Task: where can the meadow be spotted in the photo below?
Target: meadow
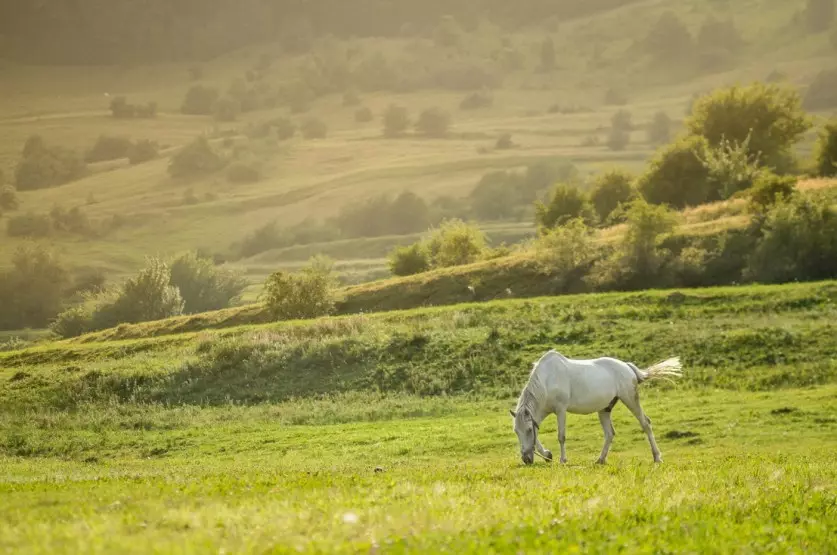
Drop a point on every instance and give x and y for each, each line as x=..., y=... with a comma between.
x=389, y=433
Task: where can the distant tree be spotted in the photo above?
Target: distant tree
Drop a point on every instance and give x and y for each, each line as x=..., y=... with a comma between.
x=199, y=100
x=30, y=225
x=822, y=92
x=476, y=100
x=364, y=115
x=396, y=121
x=826, y=153
x=659, y=130
x=433, y=122
x=226, y=109
x=618, y=139
x=142, y=151
x=819, y=15
x=407, y=213
x=285, y=129
x=621, y=119
x=43, y=166
x=504, y=142
x=314, y=128
x=669, y=40
x=196, y=158
x=566, y=203
x=32, y=290
x=610, y=189
x=309, y=293
x=409, y=260
x=242, y=172
x=8, y=197
x=717, y=34
x=204, y=286
x=676, y=175
x=108, y=148
x=548, y=54
x=496, y=196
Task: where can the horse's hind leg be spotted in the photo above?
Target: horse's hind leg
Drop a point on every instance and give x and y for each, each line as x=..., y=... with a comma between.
x=562, y=433
x=609, y=432
x=632, y=402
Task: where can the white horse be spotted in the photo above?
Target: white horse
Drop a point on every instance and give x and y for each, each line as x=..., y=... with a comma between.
x=560, y=385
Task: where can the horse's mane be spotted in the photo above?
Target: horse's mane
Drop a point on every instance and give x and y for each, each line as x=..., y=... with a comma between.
x=534, y=390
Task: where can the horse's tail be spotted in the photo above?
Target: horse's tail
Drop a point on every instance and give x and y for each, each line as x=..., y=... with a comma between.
x=665, y=370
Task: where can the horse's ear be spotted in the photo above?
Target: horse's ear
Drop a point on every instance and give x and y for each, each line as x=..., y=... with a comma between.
x=512, y=413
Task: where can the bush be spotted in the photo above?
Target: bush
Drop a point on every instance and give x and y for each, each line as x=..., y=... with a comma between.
x=407, y=213
x=364, y=115
x=542, y=175
x=769, y=189
x=433, y=122
x=730, y=168
x=8, y=198
x=42, y=166
x=241, y=172
x=819, y=14
x=456, y=243
x=676, y=175
x=566, y=203
x=199, y=101
x=406, y=261
x=32, y=290
x=504, y=142
x=659, y=131
x=566, y=251
x=196, y=158
x=609, y=190
x=285, y=129
x=822, y=92
x=769, y=114
x=121, y=109
x=108, y=148
x=799, y=242
x=35, y=226
x=309, y=293
x=826, y=153
x=477, y=100
x=72, y=322
x=142, y=151
x=314, y=128
x=396, y=121
x=496, y=196
x=226, y=109
x=621, y=119
x=618, y=139
x=71, y=221
x=203, y=286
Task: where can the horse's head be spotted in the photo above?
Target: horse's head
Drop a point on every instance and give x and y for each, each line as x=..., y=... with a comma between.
x=527, y=434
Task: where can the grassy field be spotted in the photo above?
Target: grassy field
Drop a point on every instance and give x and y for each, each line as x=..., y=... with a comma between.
x=390, y=433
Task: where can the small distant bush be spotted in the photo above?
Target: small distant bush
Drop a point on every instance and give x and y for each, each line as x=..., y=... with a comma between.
x=621, y=120
x=822, y=92
x=309, y=293
x=826, y=153
x=611, y=189
x=8, y=198
x=108, y=148
x=433, y=122
x=241, y=172
x=196, y=158
x=504, y=142
x=565, y=203
x=819, y=15
x=769, y=189
x=226, y=109
x=677, y=176
x=285, y=129
x=396, y=121
x=351, y=98
x=659, y=130
x=455, y=243
x=121, y=109
x=364, y=115
x=496, y=196
x=204, y=286
x=34, y=226
x=410, y=260
x=72, y=322
x=199, y=101
x=73, y=220
x=43, y=166
x=142, y=151
x=618, y=139
x=477, y=100
x=314, y=128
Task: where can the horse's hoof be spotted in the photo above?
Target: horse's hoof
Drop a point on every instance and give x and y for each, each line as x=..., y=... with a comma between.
x=548, y=455
x=601, y=461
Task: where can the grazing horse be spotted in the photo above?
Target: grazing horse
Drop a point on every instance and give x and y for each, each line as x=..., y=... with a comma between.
x=560, y=385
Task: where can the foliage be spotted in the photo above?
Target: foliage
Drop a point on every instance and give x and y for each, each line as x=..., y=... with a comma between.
x=108, y=148
x=199, y=101
x=196, y=158
x=504, y=142
x=314, y=128
x=730, y=167
x=565, y=203
x=477, y=100
x=73, y=220
x=822, y=92
x=618, y=139
x=308, y=293
x=769, y=114
x=433, y=122
x=409, y=260
x=8, y=197
x=769, y=189
x=30, y=225
x=609, y=190
x=676, y=175
x=381, y=215
x=566, y=250
x=396, y=121
x=242, y=172
x=621, y=119
x=826, y=154
x=72, y=322
x=819, y=15
x=32, y=291
x=496, y=196
x=285, y=128
x=121, y=109
x=454, y=243
x=202, y=285
x=43, y=166
x=142, y=151
x=659, y=130
x=364, y=115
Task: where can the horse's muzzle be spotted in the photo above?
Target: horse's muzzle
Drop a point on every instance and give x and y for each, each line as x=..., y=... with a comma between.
x=528, y=458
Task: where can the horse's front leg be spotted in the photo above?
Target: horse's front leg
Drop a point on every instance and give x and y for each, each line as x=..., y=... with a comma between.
x=545, y=453
x=562, y=436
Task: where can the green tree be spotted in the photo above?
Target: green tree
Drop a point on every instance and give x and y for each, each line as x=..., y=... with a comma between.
x=826, y=153
x=202, y=285
x=196, y=158
x=409, y=260
x=433, y=122
x=32, y=291
x=610, y=189
x=396, y=121
x=455, y=243
x=676, y=175
x=566, y=203
x=309, y=293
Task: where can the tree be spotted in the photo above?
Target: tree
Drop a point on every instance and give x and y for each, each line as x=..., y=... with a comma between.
x=770, y=114
x=566, y=203
x=659, y=130
x=456, y=243
x=32, y=291
x=496, y=196
x=226, y=109
x=202, y=285
x=676, y=175
x=565, y=249
x=827, y=150
x=309, y=293
x=611, y=189
x=409, y=260
x=621, y=119
x=43, y=166
x=396, y=121
x=199, y=101
x=618, y=139
x=433, y=122
x=669, y=41
x=196, y=158
x=8, y=197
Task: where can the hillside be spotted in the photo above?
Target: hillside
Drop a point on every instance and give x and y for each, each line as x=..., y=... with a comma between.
x=142, y=211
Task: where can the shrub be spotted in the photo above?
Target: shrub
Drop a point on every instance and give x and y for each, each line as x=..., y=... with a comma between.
x=769, y=189
x=8, y=198
x=108, y=148
x=455, y=243
x=285, y=129
x=822, y=92
x=676, y=175
x=504, y=142
x=659, y=130
x=196, y=158
x=433, y=122
x=496, y=196
x=314, y=128
x=477, y=100
x=621, y=119
x=547, y=54
x=120, y=108
x=618, y=139
x=73, y=322
x=799, y=242
x=406, y=261
x=565, y=251
x=407, y=213
x=364, y=115
x=241, y=172
x=826, y=153
x=308, y=293
x=730, y=167
x=202, y=285
x=32, y=290
x=146, y=111
x=145, y=297
x=396, y=121
x=142, y=151
x=199, y=100
x=30, y=225
x=819, y=14
x=609, y=190
x=769, y=114
x=566, y=203
x=43, y=166
x=226, y=109
x=71, y=221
